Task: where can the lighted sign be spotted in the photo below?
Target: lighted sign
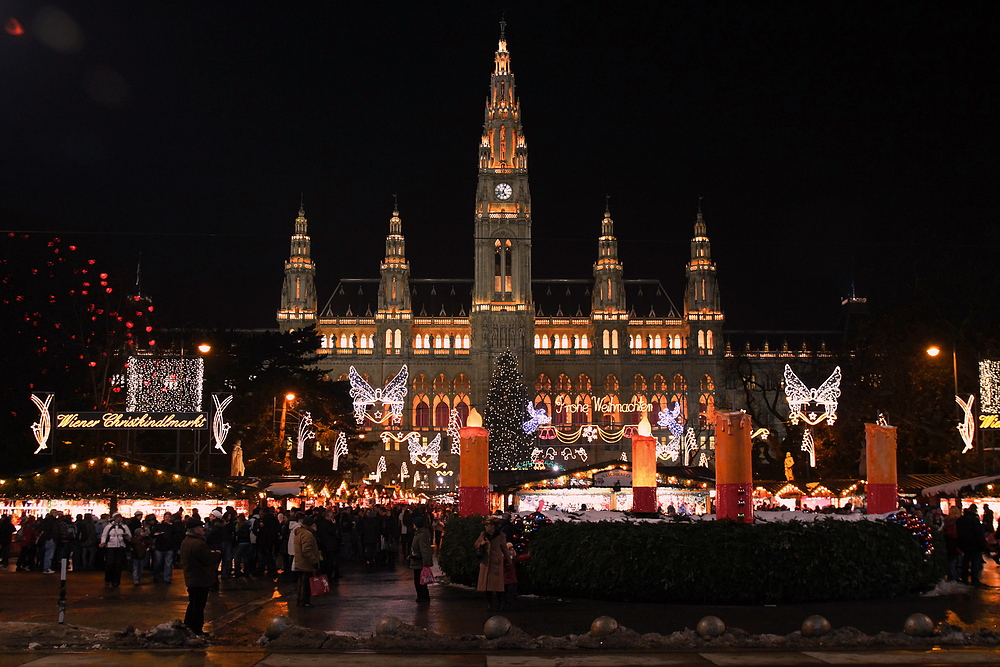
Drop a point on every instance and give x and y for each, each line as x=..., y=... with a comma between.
x=603, y=405
x=162, y=421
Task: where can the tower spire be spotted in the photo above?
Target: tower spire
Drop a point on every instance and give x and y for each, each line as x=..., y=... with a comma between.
x=298, y=293
x=394, y=288
x=702, y=293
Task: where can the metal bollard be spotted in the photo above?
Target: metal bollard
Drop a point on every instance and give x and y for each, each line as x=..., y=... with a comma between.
x=62, y=590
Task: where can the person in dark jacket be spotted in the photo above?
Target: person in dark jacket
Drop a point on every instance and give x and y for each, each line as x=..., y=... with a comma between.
x=972, y=542
x=421, y=556
x=7, y=531
x=201, y=566
x=328, y=537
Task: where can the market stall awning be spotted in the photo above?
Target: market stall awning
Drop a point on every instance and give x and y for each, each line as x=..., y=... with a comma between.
x=951, y=488
x=280, y=489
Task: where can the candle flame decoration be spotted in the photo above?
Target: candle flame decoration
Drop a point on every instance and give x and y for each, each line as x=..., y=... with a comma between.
x=644, y=427
x=220, y=427
x=42, y=428
x=475, y=419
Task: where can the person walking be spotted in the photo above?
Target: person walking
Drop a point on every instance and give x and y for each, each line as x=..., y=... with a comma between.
x=306, y=557
x=491, y=546
x=88, y=542
x=201, y=566
x=972, y=543
x=28, y=542
x=163, y=549
x=328, y=538
x=421, y=556
x=114, y=541
x=406, y=531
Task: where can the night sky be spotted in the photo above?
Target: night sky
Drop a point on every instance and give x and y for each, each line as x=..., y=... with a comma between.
x=833, y=143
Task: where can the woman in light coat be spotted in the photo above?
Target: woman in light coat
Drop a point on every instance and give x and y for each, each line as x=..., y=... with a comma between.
x=491, y=563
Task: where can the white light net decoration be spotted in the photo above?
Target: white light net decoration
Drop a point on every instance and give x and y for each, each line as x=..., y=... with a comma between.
x=989, y=386
x=800, y=396
x=164, y=384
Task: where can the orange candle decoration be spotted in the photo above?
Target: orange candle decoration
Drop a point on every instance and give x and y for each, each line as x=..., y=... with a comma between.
x=880, y=454
x=474, y=467
x=644, y=468
x=733, y=467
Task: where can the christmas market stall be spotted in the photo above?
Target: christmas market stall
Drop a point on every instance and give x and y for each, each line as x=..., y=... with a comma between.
x=108, y=484
x=609, y=487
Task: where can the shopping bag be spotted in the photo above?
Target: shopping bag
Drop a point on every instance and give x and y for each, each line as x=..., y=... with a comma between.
x=427, y=576
x=319, y=585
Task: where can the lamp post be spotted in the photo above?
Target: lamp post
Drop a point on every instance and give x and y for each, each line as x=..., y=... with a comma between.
x=966, y=425
x=934, y=351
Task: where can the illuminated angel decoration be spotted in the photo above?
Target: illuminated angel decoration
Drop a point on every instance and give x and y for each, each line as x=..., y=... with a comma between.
x=799, y=396
x=669, y=450
x=669, y=418
x=421, y=453
x=306, y=432
x=339, y=449
x=391, y=397
x=967, y=427
x=220, y=427
x=536, y=417
x=42, y=428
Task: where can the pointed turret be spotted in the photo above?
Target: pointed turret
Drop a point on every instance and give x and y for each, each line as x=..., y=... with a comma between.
x=394, y=289
x=702, y=307
x=609, y=292
x=298, y=293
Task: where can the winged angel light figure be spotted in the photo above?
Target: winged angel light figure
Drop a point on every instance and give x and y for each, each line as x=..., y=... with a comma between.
x=421, y=453
x=536, y=418
x=800, y=396
x=391, y=397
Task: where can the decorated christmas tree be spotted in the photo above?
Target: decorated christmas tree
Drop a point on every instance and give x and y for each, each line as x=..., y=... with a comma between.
x=506, y=412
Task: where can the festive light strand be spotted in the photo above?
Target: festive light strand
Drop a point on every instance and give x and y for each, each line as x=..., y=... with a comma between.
x=454, y=424
x=339, y=449
x=809, y=445
x=392, y=396
x=306, y=432
x=799, y=396
x=689, y=445
x=590, y=433
x=42, y=428
x=220, y=427
x=967, y=427
x=164, y=384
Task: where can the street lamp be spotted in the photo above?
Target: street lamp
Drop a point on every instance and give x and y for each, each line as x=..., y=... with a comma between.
x=966, y=423
x=934, y=351
x=204, y=348
x=289, y=397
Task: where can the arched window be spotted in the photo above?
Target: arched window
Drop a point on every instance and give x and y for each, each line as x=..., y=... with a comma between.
x=462, y=383
x=420, y=384
x=343, y=340
x=545, y=342
x=465, y=341
x=447, y=342
x=421, y=412
x=441, y=383
x=565, y=342
x=583, y=383
x=418, y=342
x=584, y=343
x=710, y=340
x=543, y=383
x=701, y=339
x=562, y=415
x=555, y=342
x=610, y=384
x=462, y=407
x=563, y=383
x=543, y=400
x=582, y=416
x=706, y=409
x=437, y=341
x=576, y=342
x=398, y=338
x=658, y=342
x=659, y=383
x=538, y=341
x=638, y=383
x=614, y=339
x=678, y=344
x=607, y=339
x=427, y=341
x=388, y=339
x=442, y=412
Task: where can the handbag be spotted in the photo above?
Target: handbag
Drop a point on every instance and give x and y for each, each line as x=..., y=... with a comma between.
x=427, y=576
x=319, y=585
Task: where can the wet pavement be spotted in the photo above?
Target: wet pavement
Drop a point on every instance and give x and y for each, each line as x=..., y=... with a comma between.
x=238, y=614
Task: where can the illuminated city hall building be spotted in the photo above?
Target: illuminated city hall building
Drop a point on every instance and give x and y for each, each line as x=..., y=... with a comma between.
x=603, y=344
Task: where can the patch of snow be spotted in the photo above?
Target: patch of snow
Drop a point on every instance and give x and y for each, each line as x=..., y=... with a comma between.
x=947, y=588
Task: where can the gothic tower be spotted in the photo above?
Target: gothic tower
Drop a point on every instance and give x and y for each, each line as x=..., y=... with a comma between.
x=608, y=311
x=298, y=293
x=702, y=308
x=502, y=310
x=394, y=315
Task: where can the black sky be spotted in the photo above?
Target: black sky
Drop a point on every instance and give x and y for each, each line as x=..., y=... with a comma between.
x=832, y=142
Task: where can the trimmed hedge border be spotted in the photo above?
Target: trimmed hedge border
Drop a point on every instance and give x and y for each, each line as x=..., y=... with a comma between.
x=714, y=562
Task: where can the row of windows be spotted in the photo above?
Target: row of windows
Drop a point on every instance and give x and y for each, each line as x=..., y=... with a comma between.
x=394, y=340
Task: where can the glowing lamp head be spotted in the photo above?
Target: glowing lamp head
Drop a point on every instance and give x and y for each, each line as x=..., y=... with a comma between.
x=644, y=428
x=475, y=419
x=289, y=397
x=933, y=351
x=204, y=348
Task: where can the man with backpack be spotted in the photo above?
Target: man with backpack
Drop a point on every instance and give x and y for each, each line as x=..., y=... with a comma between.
x=115, y=541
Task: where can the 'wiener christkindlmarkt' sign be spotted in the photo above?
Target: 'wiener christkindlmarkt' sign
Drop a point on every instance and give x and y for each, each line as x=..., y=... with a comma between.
x=137, y=420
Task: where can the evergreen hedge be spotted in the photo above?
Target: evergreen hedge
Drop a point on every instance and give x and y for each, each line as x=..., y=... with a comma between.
x=713, y=562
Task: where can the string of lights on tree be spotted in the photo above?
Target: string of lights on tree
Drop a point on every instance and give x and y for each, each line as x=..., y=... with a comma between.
x=920, y=530
x=505, y=416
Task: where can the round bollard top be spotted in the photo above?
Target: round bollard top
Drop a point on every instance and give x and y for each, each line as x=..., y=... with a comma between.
x=711, y=626
x=276, y=627
x=918, y=625
x=496, y=627
x=388, y=625
x=815, y=626
x=603, y=626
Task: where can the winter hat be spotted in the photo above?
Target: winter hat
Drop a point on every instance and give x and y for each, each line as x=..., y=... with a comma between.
x=418, y=521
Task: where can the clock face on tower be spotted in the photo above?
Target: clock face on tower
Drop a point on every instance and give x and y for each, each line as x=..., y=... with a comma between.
x=503, y=191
